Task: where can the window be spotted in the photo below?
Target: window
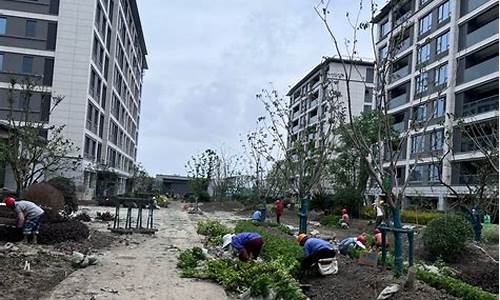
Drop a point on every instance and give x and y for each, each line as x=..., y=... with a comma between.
x=3, y=25
x=437, y=140
x=422, y=2
x=422, y=83
x=417, y=144
x=443, y=11
x=27, y=64
x=30, y=28
x=433, y=173
x=382, y=53
x=1, y=62
x=442, y=44
x=424, y=53
x=442, y=74
x=384, y=29
x=421, y=113
x=439, y=107
x=425, y=24
x=417, y=174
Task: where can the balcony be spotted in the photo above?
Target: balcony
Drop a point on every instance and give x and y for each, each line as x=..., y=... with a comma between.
x=398, y=101
x=470, y=5
x=480, y=106
x=314, y=103
x=399, y=127
x=481, y=33
x=296, y=114
x=400, y=73
x=295, y=128
x=484, y=68
x=313, y=119
x=471, y=145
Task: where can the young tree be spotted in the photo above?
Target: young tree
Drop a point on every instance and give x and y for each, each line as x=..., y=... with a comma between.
x=200, y=168
x=141, y=182
x=227, y=173
x=33, y=149
x=302, y=161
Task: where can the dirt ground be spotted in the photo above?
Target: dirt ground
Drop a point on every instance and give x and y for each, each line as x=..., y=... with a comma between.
x=143, y=267
x=49, y=265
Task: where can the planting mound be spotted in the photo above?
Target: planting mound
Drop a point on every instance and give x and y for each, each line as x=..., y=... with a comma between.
x=50, y=232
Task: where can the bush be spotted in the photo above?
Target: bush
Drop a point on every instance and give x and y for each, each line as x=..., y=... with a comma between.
x=67, y=187
x=455, y=286
x=213, y=230
x=162, y=201
x=367, y=213
x=105, y=216
x=329, y=220
x=420, y=217
x=188, y=261
x=490, y=234
x=47, y=197
x=447, y=236
x=84, y=217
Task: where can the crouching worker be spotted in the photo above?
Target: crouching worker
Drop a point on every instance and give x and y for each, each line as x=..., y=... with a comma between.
x=257, y=216
x=350, y=243
x=29, y=217
x=378, y=239
x=314, y=250
x=246, y=244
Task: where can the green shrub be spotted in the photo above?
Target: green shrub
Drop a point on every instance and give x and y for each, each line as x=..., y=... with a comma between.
x=329, y=220
x=367, y=213
x=280, y=227
x=455, y=286
x=213, y=230
x=188, y=261
x=490, y=234
x=420, y=217
x=447, y=236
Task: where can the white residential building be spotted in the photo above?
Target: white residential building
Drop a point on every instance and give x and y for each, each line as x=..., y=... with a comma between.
x=93, y=53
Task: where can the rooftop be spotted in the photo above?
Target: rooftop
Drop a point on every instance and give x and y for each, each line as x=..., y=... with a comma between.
x=328, y=60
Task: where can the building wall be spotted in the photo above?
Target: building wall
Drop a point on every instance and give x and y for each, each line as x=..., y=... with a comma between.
x=470, y=89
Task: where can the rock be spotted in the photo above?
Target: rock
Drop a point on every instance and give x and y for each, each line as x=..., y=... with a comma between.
x=389, y=291
x=92, y=260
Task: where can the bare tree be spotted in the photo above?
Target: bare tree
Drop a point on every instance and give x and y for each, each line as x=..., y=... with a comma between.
x=227, y=172
x=200, y=168
x=33, y=149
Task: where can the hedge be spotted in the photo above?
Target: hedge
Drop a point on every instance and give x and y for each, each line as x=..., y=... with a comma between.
x=454, y=286
x=407, y=216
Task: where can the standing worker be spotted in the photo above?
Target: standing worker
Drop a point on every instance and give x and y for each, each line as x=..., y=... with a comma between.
x=280, y=206
x=378, y=212
x=247, y=244
x=29, y=217
x=314, y=250
x=475, y=219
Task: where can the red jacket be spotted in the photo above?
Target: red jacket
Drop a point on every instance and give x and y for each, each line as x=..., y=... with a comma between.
x=279, y=207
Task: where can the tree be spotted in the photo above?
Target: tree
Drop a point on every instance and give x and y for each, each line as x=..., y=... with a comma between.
x=200, y=168
x=301, y=162
x=227, y=175
x=33, y=149
x=380, y=158
x=141, y=182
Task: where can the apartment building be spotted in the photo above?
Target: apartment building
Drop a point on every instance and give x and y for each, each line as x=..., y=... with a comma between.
x=93, y=53
x=444, y=69
x=308, y=102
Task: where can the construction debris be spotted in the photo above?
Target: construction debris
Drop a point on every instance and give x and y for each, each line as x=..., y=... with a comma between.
x=389, y=291
x=82, y=261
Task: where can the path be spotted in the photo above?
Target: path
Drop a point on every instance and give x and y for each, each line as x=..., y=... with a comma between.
x=146, y=269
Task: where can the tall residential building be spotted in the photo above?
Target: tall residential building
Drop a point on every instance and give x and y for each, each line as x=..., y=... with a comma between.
x=445, y=69
x=308, y=101
x=93, y=53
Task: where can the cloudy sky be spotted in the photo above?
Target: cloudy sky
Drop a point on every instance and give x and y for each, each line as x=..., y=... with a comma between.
x=209, y=58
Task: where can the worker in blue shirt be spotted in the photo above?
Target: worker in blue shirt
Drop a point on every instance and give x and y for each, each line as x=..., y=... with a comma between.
x=314, y=250
x=246, y=244
x=257, y=216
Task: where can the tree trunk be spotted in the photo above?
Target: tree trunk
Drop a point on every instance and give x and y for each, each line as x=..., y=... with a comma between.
x=398, y=243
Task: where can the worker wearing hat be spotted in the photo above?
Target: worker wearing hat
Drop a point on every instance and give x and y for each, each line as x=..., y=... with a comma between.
x=352, y=242
x=314, y=250
x=29, y=216
x=378, y=212
x=246, y=244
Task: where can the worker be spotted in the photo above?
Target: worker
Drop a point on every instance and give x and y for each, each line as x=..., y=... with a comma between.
x=247, y=244
x=344, y=219
x=379, y=213
x=257, y=216
x=475, y=219
x=378, y=239
x=279, y=209
x=29, y=217
x=314, y=250
x=352, y=242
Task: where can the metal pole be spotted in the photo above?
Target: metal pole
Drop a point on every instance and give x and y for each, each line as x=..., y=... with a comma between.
x=398, y=251
x=384, y=249
x=303, y=215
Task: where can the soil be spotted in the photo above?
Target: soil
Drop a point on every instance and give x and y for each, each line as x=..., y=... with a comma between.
x=355, y=281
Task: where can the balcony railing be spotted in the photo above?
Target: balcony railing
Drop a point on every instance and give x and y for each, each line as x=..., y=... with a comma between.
x=313, y=120
x=480, y=106
x=468, y=179
x=295, y=128
x=481, y=33
x=399, y=127
x=403, y=45
x=313, y=103
x=398, y=101
x=400, y=73
x=296, y=114
x=482, y=69
x=471, y=5
x=469, y=145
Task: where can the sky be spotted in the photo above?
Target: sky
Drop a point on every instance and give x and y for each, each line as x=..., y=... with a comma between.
x=209, y=58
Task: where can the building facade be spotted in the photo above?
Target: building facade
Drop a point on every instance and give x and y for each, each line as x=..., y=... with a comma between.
x=93, y=54
x=308, y=105
x=445, y=69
